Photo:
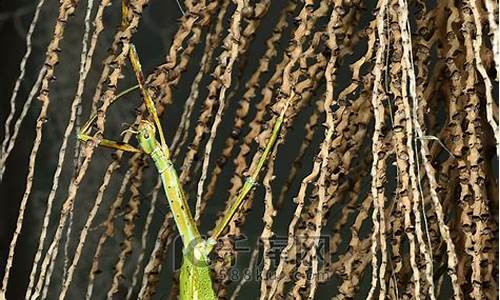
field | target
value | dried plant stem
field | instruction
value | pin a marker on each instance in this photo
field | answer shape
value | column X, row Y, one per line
column 476, row 210
column 84, row 68
column 402, row 143
column 477, row 44
column 85, row 64
column 297, row 164
column 452, row 55
column 358, row 118
column 4, row 153
column 269, row 214
column 166, row 76
column 430, row 171
column 116, row 64
column 358, row 250
column 326, row 144
column 212, row 40
column 288, row 253
column 409, row 75
column 251, row 265
column 353, row 209
column 85, row 230
column 45, row 289
column 306, row 18
column 302, row 88
column 378, row 164
column 228, row 60
column 69, row 228
column 492, row 9
column 52, row 57
column 137, row 165
column 217, row 85
column 20, row 119
column 244, row 104
column 299, row 201
column 108, row 231
column 152, row 269
column 144, row 236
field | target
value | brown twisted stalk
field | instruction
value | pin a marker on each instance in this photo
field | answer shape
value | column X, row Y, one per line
column 109, row 94
column 8, row 143
column 269, row 213
column 152, row 269
column 66, row 9
column 402, row 158
column 429, row 169
column 212, row 40
column 144, row 236
column 306, row 18
column 378, row 164
column 244, row 104
column 85, row 63
column 108, row 226
column 138, row 166
column 335, row 18
column 479, row 237
column 409, row 76
column 233, row 37
column 477, row 44
column 214, row 88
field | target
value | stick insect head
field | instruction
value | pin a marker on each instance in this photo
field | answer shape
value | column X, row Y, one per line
column 146, row 136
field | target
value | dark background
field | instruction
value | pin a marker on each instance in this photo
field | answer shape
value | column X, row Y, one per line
column 152, row 40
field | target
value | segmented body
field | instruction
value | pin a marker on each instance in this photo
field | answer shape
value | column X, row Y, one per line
column 195, row 280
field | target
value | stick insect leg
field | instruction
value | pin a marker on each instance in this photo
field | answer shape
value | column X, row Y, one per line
column 86, row 127
column 148, row 101
column 250, row 182
column 136, row 66
column 84, row 136
column 110, row 144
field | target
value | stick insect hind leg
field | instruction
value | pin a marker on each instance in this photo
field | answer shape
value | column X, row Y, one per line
column 251, row 181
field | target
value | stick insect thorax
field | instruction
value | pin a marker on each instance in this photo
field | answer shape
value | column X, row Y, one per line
column 146, row 137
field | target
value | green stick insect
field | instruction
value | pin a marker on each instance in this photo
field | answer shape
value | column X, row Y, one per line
column 195, row 280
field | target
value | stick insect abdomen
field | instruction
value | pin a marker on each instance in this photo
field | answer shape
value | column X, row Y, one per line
column 195, row 280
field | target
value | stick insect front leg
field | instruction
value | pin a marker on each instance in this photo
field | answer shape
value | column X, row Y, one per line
column 84, row 132
column 84, row 136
